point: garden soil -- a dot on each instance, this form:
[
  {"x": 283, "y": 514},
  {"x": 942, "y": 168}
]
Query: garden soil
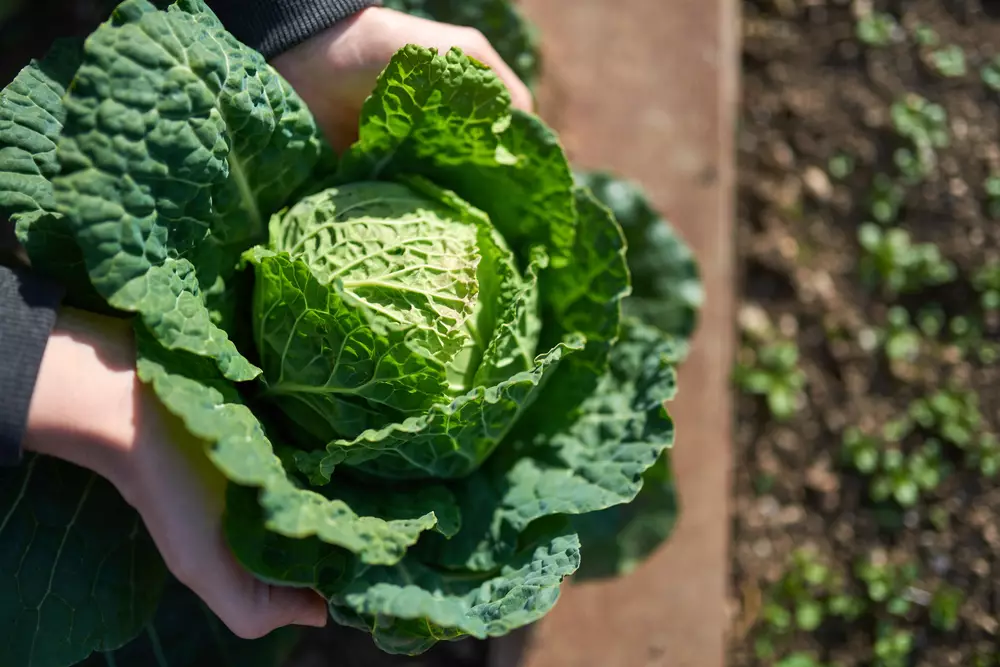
[{"x": 811, "y": 93}]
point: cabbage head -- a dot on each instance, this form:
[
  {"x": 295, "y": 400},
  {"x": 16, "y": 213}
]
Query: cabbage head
[{"x": 409, "y": 361}]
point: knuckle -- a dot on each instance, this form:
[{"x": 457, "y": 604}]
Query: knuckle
[{"x": 473, "y": 40}]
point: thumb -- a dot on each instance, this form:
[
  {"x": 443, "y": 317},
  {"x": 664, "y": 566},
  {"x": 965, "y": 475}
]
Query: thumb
[{"x": 249, "y": 607}]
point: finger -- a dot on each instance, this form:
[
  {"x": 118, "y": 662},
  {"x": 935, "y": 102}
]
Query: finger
[
  {"x": 477, "y": 46},
  {"x": 473, "y": 43},
  {"x": 250, "y": 608},
  {"x": 520, "y": 95},
  {"x": 187, "y": 530}
]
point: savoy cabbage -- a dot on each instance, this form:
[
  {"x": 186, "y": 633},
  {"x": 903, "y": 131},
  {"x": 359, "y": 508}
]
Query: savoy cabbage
[{"x": 410, "y": 360}]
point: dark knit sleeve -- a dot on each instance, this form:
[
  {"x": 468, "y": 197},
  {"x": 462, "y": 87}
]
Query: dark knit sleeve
[
  {"x": 274, "y": 26},
  {"x": 28, "y": 307}
]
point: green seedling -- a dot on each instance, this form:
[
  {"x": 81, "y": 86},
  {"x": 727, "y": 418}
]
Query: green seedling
[
  {"x": 945, "y": 606},
  {"x": 910, "y": 165},
  {"x": 894, "y": 474},
  {"x": 901, "y": 340},
  {"x": 895, "y": 430},
  {"x": 948, "y": 61},
  {"x": 887, "y": 583},
  {"x": 925, "y": 35},
  {"x": 903, "y": 477},
  {"x": 951, "y": 414},
  {"x": 990, "y": 74},
  {"x": 878, "y": 29},
  {"x": 954, "y": 415},
  {"x": 885, "y": 199},
  {"x": 925, "y": 125},
  {"x": 985, "y": 456},
  {"x": 763, "y": 647},
  {"x": 841, "y": 166},
  {"x": 861, "y": 451},
  {"x": 891, "y": 259},
  {"x": 893, "y": 647},
  {"x": 776, "y": 376},
  {"x": 931, "y": 320},
  {"x": 987, "y": 280},
  {"x": 992, "y": 188},
  {"x": 807, "y": 593},
  {"x": 763, "y": 483},
  {"x": 800, "y": 660},
  {"x": 921, "y": 121}
]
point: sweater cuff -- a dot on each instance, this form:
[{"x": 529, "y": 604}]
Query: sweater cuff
[
  {"x": 275, "y": 26},
  {"x": 28, "y": 307}
]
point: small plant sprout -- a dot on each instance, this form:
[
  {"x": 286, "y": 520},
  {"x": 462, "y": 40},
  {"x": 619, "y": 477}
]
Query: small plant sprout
[
  {"x": 901, "y": 339},
  {"x": 949, "y": 61},
  {"x": 775, "y": 374},
  {"x": 985, "y": 456},
  {"x": 892, "y": 647},
  {"x": 887, "y": 583},
  {"x": 806, "y": 594},
  {"x": 925, "y": 125},
  {"x": 990, "y": 74},
  {"x": 861, "y": 451},
  {"x": 945, "y": 606},
  {"x": 987, "y": 282},
  {"x": 951, "y": 414},
  {"x": 878, "y": 29},
  {"x": 841, "y": 166},
  {"x": 799, "y": 660},
  {"x": 885, "y": 199},
  {"x": 891, "y": 259},
  {"x": 955, "y": 416},
  {"x": 925, "y": 35},
  {"x": 992, "y": 188},
  {"x": 912, "y": 168},
  {"x": 903, "y": 477},
  {"x": 931, "y": 320},
  {"x": 894, "y": 474}
]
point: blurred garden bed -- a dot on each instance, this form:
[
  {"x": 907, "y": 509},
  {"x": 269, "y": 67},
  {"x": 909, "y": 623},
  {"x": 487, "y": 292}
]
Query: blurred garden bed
[{"x": 867, "y": 516}]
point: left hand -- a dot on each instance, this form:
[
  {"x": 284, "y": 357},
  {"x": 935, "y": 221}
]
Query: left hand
[{"x": 335, "y": 71}]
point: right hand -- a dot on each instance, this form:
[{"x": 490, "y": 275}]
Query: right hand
[
  {"x": 90, "y": 409},
  {"x": 336, "y": 70}
]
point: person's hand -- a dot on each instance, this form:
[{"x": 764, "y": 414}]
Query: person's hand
[
  {"x": 89, "y": 408},
  {"x": 335, "y": 71}
]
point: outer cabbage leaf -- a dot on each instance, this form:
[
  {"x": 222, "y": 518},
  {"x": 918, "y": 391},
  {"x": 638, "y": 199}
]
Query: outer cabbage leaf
[
  {"x": 410, "y": 607},
  {"x": 619, "y": 539},
  {"x": 185, "y": 633},
  {"x": 78, "y": 572},
  {"x": 31, "y": 119},
  {"x": 572, "y": 463},
  {"x": 666, "y": 284},
  {"x": 191, "y": 388},
  {"x": 209, "y": 141},
  {"x": 500, "y": 21},
  {"x": 449, "y": 118}
]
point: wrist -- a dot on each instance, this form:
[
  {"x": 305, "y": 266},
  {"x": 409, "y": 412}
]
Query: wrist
[{"x": 83, "y": 409}]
